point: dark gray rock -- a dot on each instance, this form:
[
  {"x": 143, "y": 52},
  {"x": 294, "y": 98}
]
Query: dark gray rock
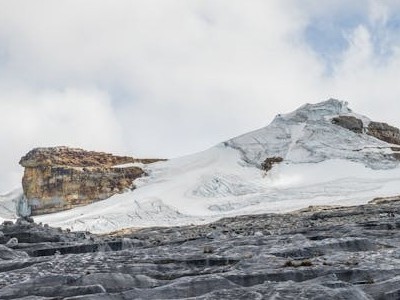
[
  {"x": 47, "y": 287},
  {"x": 117, "y": 282},
  {"x": 269, "y": 162},
  {"x": 8, "y": 254},
  {"x": 36, "y": 298},
  {"x": 316, "y": 253}
]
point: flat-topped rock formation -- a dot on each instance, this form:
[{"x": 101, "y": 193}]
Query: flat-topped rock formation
[
  {"x": 60, "y": 178},
  {"x": 316, "y": 253}
]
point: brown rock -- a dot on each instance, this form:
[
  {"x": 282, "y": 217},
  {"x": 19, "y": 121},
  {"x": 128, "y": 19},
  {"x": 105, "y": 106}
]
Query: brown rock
[
  {"x": 269, "y": 162},
  {"x": 384, "y": 132},
  {"x": 349, "y": 122},
  {"x": 62, "y": 178},
  {"x": 385, "y": 200},
  {"x": 74, "y": 157}
]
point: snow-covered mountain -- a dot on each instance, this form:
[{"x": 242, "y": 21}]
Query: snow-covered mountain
[{"x": 322, "y": 164}]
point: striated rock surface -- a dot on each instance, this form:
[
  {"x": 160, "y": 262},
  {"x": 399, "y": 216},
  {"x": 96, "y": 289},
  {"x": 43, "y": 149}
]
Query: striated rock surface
[
  {"x": 316, "y": 253},
  {"x": 61, "y": 178}
]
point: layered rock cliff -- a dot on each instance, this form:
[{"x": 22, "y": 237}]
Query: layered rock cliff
[{"x": 61, "y": 178}]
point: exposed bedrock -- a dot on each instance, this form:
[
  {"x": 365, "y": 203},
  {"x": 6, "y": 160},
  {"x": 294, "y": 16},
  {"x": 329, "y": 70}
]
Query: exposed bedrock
[
  {"x": 349, "y": 122},
  {"x": 381, "y": 131},
  {"x": 61, "y": 178},
  {"x": 384, "y": 132},
  {"x": 316, "y": 253},
  {"x": 269, "y": 162}
]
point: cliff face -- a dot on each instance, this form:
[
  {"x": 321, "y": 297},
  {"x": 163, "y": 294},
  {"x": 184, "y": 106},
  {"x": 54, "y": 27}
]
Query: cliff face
[
  {"x": 62, "y": 178},
  {"x": 384, "y": 132}
]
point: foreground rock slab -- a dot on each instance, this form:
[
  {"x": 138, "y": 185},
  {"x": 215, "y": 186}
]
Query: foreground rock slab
[{"x": 317, "y": 253}]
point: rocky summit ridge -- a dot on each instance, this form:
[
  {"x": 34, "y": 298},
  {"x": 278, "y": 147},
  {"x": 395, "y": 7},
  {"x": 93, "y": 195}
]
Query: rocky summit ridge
[{"x": 318, "y": 132}]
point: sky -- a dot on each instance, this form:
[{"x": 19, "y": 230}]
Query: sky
[{"x": 166, "y": 78}]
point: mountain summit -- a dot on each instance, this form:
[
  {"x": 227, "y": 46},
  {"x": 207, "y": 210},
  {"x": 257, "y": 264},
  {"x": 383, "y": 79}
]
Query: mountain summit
[
  {"x": 320, "y": 154},
  {"x": 319, "y": 132}
]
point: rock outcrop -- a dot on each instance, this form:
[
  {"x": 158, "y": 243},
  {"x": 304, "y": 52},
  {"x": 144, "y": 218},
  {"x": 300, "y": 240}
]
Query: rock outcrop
[
  {"x": 269, "y": 162},
  {"x": 384, "y": 132},
  {"x": 316, "y": 253},
  {"x": 349, "y": 122},
  {"x": 61, "y": 178},
  {"x": 381, "y": 131}
]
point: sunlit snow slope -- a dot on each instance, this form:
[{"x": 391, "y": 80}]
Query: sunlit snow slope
[{"x": 323, "y": 164}]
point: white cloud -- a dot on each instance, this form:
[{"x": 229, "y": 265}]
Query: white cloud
[
  {"x": 170, "y": 77},
  {"x": 378, "y": 12},
  {"x": 70, "y": 117}
]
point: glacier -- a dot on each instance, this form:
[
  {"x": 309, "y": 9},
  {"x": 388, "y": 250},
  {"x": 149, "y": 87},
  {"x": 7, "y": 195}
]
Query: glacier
[{"x": 323, "y": 164}]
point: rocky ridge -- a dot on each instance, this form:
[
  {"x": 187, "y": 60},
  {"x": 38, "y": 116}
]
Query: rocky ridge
[
  {"x": 317, "y": 132},
  {"x": 61, "y": 178},
  {"x": 381, "y": 131},
  {"x": 316, "y": 253}
]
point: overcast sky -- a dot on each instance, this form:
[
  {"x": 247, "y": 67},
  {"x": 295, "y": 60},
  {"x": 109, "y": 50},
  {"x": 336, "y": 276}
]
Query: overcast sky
[{"x": 165, "y": 78}]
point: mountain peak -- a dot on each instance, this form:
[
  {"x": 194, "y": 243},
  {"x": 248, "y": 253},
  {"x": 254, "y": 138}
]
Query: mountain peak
[
  {"x": 313, "y": 112},
  {"x": 319, "y": 154},
  {"x": 318, "y": 132}
]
